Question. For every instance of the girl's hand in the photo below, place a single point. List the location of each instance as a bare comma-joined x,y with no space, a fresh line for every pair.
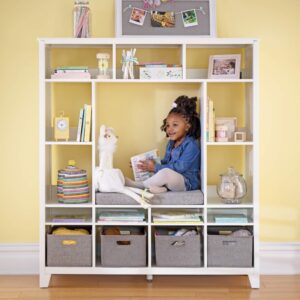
147,165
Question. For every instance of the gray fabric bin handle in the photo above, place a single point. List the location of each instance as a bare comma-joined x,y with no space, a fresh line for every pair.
178,243
123,243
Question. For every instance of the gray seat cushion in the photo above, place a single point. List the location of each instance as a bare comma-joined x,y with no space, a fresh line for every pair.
169,198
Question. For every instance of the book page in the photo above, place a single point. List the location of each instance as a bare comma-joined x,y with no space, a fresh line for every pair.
143,175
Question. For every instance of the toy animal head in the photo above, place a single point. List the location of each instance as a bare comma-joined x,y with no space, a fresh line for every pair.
107,139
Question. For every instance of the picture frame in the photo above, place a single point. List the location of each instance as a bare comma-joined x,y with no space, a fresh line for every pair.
205,13
230,123
162,19
224,66
189,18
137,16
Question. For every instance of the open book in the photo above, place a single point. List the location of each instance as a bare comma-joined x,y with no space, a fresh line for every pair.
140,175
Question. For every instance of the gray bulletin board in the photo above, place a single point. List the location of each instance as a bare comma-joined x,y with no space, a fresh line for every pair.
206,19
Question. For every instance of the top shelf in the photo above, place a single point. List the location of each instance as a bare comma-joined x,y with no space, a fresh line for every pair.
194,41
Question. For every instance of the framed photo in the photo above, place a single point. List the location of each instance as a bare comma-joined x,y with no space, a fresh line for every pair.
191,18
137,16
162,19
224,66
230,123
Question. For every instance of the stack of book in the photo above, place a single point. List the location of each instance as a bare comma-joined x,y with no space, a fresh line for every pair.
72,72
70,218
121,215
84,124
177,217
231,218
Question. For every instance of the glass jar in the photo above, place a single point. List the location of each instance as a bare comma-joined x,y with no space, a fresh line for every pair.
232,187
81,19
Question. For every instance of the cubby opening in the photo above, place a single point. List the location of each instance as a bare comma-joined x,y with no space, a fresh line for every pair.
67,99
219,158
69,55
57,158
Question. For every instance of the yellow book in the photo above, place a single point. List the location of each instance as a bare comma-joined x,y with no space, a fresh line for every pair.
88,122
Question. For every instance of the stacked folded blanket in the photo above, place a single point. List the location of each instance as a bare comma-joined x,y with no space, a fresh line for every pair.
72,185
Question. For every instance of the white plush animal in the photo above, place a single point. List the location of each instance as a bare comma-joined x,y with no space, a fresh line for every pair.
108,179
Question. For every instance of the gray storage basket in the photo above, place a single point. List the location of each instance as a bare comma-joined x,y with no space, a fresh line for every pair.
178,251
69,250
113,254
228,251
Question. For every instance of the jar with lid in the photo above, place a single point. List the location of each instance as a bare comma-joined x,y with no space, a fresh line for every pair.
232,187
81,19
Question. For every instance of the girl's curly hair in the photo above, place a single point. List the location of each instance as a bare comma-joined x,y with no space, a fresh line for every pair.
186,107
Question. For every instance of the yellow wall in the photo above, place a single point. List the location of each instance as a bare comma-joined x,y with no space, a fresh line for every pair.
274,22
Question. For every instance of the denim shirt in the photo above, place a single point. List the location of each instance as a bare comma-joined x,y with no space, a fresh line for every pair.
184,159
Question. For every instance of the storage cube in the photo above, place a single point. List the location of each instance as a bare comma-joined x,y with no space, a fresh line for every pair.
178,251
123,250
69,250
227,251
160,73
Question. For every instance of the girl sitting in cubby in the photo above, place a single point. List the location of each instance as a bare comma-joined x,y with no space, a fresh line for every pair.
180,168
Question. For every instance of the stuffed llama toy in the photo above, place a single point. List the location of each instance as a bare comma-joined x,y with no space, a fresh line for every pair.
108,179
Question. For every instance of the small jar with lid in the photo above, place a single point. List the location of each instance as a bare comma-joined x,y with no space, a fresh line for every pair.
232,187
81,19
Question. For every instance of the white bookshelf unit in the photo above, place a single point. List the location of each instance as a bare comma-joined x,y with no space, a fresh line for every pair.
193,73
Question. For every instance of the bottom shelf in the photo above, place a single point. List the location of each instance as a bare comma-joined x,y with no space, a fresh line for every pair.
99,270
183,248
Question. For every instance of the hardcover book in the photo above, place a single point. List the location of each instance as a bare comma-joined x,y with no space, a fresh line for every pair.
138,174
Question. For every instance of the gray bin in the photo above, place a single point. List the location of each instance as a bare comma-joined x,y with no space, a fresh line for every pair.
178,251
114,254
227,251
69,250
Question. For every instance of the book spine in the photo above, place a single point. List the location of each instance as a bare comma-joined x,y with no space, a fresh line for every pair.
83,124
88,123
79,125
211,125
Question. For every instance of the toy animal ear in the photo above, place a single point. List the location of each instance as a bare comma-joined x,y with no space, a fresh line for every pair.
102,130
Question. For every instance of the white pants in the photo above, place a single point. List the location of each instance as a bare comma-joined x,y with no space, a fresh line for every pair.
168,178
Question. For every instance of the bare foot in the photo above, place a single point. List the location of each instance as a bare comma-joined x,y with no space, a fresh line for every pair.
132,183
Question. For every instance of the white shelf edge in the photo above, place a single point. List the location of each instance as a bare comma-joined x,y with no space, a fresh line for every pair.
189,40
229,143
70,143
120,80
70,80
178,224
62,205
122,223
229,224
69,224
117,206
229,206
155,270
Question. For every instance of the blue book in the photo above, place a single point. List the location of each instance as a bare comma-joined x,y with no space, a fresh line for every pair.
238,218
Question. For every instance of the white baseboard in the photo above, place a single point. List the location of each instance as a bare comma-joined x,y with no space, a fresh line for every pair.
275,259
19,259
280,258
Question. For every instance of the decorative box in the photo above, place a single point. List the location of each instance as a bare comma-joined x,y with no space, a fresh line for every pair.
161,73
